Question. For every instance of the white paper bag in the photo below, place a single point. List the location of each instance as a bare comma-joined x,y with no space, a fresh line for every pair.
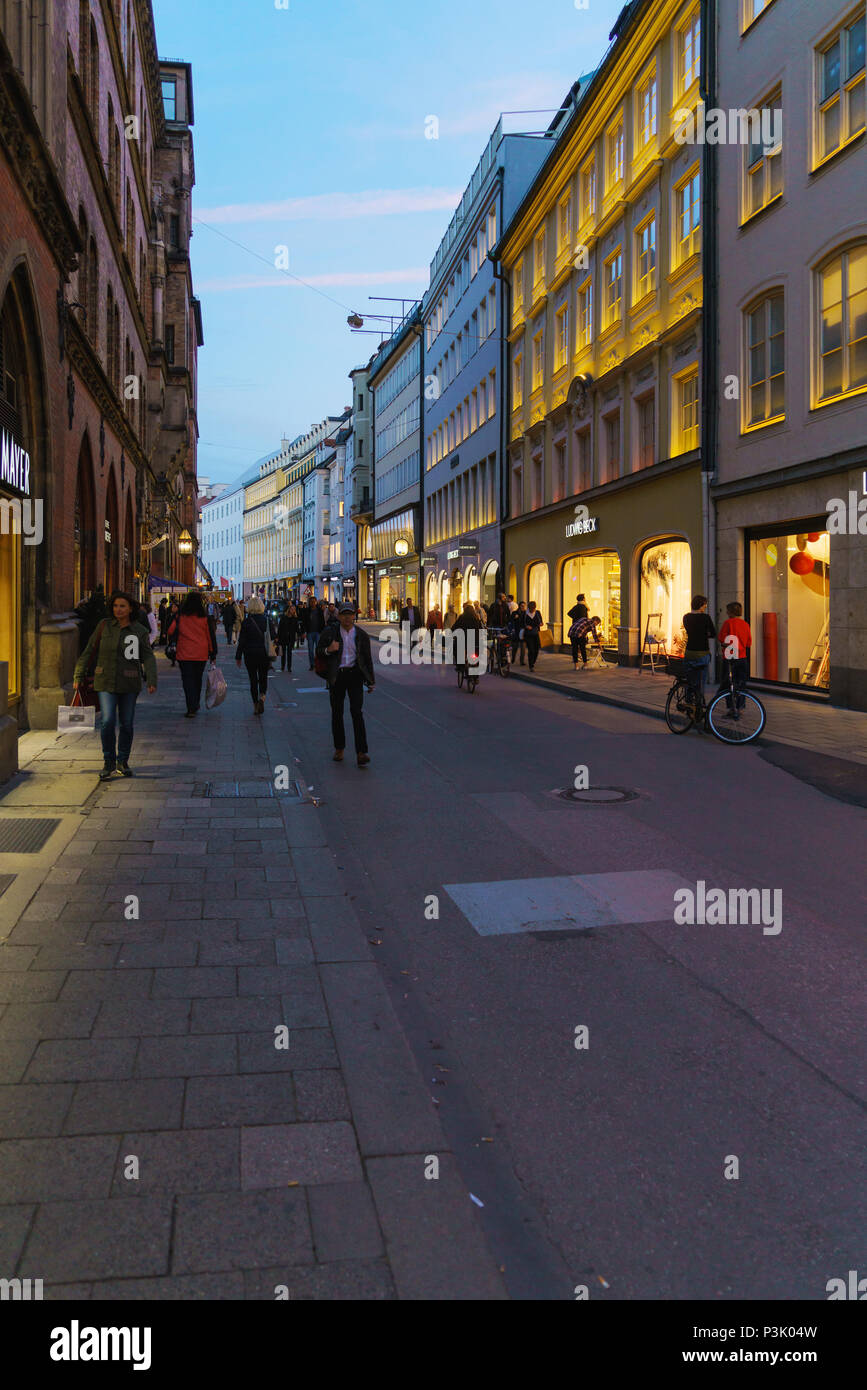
76,719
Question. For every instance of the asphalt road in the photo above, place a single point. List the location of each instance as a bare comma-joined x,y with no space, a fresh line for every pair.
706,1042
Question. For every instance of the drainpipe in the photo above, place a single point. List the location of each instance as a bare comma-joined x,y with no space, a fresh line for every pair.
710,317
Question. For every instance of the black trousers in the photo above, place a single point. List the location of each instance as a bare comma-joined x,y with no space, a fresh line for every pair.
286,655
349,682
534,642
579,644
257,669
191,680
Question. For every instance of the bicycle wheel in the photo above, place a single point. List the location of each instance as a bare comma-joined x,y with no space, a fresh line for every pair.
460,677
736,725
505,668
680,708
472,682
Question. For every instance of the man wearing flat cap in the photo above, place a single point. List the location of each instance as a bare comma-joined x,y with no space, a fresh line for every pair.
346,650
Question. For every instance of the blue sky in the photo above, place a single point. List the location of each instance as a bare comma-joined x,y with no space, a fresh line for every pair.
310,135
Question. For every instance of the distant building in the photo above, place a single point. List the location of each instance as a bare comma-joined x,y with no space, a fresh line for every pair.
222,540
395,381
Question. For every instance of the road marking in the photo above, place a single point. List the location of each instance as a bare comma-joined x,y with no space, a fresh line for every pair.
567,902
311,690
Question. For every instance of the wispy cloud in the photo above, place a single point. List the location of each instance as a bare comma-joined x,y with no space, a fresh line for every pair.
334,207
413,275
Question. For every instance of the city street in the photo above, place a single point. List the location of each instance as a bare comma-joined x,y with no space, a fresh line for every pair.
471,968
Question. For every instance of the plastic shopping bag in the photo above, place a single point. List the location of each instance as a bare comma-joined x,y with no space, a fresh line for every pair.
76,718
215,692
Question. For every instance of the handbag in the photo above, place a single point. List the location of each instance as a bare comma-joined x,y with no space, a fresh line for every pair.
76,718
522,634
215,691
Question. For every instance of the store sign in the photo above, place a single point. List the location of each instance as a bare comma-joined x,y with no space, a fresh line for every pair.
427,560
14,464
582,526
107,532
464,548
369,564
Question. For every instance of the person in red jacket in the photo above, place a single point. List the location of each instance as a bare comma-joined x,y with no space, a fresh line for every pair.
735,639
195,635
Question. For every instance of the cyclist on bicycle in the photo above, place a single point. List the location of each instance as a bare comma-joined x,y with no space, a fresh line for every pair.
468,623
699,630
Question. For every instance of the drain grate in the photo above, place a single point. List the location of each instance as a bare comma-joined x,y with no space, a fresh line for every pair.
246,790
598,796
21,836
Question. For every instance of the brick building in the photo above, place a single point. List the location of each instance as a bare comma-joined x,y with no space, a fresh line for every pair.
99,328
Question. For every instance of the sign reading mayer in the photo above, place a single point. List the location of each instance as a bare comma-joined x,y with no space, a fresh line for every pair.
14,464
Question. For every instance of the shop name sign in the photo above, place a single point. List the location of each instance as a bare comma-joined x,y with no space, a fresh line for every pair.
583,524
14,464
464,548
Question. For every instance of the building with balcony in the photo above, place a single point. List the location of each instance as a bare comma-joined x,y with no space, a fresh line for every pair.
606,490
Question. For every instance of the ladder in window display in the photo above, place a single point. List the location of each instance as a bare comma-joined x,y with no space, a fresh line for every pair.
817,670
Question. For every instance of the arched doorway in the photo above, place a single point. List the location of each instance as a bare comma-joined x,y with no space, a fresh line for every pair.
84,528
111,538
513,583
129,547
490,576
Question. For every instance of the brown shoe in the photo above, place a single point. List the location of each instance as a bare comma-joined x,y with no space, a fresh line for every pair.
338,755
363,759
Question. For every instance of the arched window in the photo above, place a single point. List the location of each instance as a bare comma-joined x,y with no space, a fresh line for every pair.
842,337
765,350
109,333
92,291
84,47
93,84
537,588
82,262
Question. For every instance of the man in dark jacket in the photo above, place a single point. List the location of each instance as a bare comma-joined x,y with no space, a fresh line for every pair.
346,649
410,613
498,613
314,625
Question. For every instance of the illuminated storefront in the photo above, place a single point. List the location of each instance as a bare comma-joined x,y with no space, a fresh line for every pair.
597,577
790,604
666,589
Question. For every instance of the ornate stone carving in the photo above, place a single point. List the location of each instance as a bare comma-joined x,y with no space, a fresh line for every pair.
684,346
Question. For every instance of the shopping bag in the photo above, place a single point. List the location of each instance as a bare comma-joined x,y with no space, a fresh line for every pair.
215,691
76,718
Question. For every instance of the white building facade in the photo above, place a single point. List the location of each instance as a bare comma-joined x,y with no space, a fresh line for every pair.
222,537
395,380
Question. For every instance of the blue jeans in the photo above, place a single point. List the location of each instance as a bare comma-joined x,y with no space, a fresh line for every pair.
696,671
312,639
116,709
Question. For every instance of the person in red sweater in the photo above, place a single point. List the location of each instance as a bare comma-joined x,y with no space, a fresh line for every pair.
196,638
735,639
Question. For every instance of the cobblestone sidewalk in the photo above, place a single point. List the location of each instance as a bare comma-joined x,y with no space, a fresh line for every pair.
205,1091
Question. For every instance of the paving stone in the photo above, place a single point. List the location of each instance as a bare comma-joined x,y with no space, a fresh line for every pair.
200,1288
107,984
15,957
110,1239
250,1099
165,872
28,1111
308,1047
144,954
274,1155
15,1223
336,931
228,1231
48,933
142,1018
344,1222
292,924
200,1056
188,1160
215,931
247,908
75,1059
293,952
78,957
15,1054
238,953
362,1281
236,1015
198,982
300,980
20,986
108,1107
54,1168
321,1095
124,932
281,873
40,1021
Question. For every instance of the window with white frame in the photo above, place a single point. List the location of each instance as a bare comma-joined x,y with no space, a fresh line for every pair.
763,169
492,313
561,337
518,290
688,52
686,401
842,298
588,190
614,171
687,217
647,114
585,315
613,287
765,335
474,260
538,359
840,86
492,226
645,259
564,224
539,259
752,10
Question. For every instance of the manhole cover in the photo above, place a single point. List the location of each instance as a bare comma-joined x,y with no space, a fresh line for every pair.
247,790
25,836
598,796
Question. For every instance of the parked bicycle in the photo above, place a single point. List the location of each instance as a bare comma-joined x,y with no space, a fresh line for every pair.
733,715
499,652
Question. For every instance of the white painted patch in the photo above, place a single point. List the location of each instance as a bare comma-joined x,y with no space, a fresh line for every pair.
567,903
312,690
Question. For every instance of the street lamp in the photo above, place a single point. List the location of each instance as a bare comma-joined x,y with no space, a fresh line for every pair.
185,543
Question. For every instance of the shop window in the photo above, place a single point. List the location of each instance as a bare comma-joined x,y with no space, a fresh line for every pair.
766,354
790,586
597,577
537,589
666,588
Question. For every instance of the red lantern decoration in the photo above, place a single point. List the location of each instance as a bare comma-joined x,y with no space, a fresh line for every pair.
813,536
801,563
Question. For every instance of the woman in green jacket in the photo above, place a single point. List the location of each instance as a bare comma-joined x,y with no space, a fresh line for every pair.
122,647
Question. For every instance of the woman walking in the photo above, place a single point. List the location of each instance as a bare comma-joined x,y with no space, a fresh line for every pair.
122,647
228,616
171,642
253,644
287,632
195,636
532,628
